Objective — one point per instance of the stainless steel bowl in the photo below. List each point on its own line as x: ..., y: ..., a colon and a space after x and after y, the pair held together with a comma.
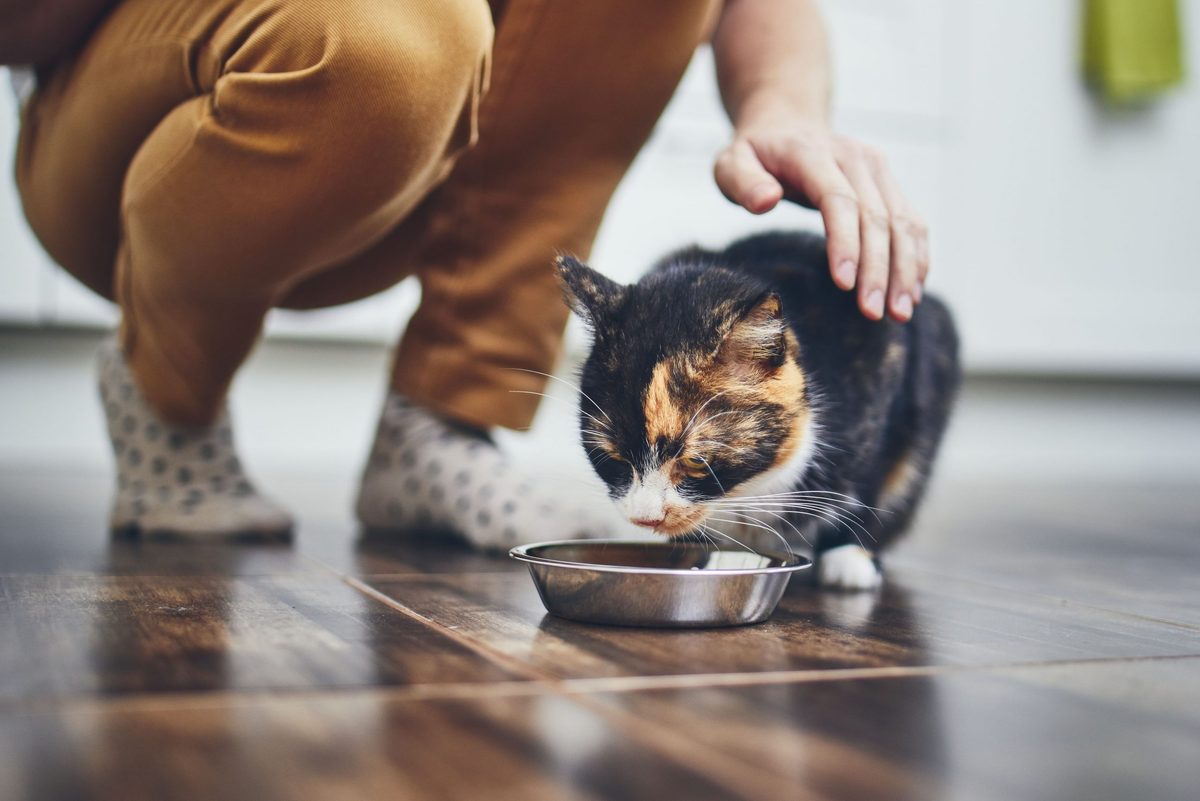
x: 657, y: 583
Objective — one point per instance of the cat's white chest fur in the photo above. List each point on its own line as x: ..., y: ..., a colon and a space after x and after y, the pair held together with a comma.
x: 847, y: 567
x: 786, y: 476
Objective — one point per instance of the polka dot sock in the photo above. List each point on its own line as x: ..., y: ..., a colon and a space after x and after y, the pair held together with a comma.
x: 177, y: 480
x: 425, y: 473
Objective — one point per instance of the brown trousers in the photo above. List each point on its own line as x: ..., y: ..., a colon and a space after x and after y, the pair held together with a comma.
x: 202, y: 161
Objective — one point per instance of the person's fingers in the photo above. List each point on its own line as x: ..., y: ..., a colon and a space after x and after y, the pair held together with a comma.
x: 910, y: 241
x: 902, y: 280
x: 743, y: 180
x: 922, y: 261
x: 815, y: 175
x: 873, y: 268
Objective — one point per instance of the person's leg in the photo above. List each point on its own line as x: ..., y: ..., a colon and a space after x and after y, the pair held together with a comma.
x: 576, y: 90
x: 221, y: 152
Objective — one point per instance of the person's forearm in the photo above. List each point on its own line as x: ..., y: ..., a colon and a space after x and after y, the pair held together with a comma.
x: 772, y: 56
x: 38, y: 31
x: 773, y: 68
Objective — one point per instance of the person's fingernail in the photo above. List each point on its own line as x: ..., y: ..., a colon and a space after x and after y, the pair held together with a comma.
x: 903, y: 306
x: 847, y: 271
x: 918, y: 292
x: 875, y: 303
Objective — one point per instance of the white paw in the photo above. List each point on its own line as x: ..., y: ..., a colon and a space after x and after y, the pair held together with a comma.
x: 848, y: 567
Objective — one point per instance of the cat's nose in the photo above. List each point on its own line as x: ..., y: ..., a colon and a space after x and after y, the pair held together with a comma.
x: 648, y: 523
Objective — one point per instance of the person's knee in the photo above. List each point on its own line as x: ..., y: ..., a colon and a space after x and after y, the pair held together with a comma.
x: 339, y: 116
x: 393, y: 73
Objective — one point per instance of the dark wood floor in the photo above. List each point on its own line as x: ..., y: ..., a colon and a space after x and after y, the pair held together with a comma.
x: 1029, y: 643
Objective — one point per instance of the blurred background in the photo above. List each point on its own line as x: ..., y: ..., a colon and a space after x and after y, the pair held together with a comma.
x: 1066, y: 238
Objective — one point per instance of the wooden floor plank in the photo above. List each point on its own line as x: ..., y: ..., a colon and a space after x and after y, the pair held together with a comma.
x: 69, y: 635
x: 1108, y: 730
x: 358, y: 747
x: 255, y: 671
x: 1131, y: 549
x: 357, y: 553
x: 917, y: 620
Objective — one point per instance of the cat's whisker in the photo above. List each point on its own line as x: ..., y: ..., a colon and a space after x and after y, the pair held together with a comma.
x: 748, y: 518
x: 695, y: 414
x: 595, y: 420
x: 819, y: 511
x: 795, y: 505
x: 787, y: 522
x: 814, y: 495
x: 830, y: 493
x: 711, y: 473
x: 729, y: 537
x: 841, y: 514
x: 786, y: 504
x: 755, y: 524
x: 603, y: 458
x: 575, y: 387
x: 712, y: 417
x: 709, y: 538
x: 718, y: 444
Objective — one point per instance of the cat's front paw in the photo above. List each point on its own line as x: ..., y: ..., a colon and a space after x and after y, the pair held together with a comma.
x: 848, y: 567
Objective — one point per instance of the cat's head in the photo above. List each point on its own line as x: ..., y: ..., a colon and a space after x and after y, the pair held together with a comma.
x: 692, y: 391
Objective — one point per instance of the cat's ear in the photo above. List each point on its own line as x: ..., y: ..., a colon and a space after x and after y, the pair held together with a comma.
x: 758, y: 338
x: 589, y: 294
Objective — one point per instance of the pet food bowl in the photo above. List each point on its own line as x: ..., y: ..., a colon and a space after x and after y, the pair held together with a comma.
x: 656, y: 583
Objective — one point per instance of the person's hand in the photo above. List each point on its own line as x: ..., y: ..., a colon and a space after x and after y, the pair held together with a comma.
x: 876, y: 240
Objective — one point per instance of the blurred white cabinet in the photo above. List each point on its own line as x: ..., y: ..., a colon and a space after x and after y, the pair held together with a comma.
x: 1068, y: 235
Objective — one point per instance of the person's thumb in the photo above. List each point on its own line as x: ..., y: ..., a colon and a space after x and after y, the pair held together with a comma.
x: 743, y: 179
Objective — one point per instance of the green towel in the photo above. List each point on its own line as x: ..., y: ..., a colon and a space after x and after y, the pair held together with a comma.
x: 1132, y: 49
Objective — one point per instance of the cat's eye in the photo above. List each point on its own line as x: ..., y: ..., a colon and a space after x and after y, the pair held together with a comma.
x: 693, y: 463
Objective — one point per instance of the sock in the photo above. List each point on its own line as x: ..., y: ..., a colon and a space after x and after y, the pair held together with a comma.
x: 427, y: 473
x: 177, y: 480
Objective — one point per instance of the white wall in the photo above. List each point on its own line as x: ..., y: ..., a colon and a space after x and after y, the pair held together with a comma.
x: 1066, y: 237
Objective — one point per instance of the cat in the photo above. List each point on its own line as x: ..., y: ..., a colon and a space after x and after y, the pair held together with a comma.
x: 741, y: 392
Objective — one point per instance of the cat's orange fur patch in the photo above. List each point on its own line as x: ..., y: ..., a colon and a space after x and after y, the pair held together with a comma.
x: 899, y: 481
x: 737, y: 376
x: 740, y: 373
x: 787, y: 389
x: 664, y: 418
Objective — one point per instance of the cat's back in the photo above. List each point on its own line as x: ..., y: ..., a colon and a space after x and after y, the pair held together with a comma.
x: 839, y: 343
x: 793, y: 263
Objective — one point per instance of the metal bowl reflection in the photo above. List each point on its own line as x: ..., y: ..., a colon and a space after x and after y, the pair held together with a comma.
x: 657, y: 583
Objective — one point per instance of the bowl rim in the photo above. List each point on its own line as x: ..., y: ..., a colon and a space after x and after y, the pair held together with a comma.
x: 521, y: 553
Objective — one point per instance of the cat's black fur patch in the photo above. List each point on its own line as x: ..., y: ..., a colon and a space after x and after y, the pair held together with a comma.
x: 881, y: 391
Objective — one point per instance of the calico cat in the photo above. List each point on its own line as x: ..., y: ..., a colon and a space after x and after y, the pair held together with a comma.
x: 741, y: 392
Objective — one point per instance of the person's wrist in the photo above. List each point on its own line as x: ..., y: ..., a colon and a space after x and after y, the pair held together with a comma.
x: 772, y: 109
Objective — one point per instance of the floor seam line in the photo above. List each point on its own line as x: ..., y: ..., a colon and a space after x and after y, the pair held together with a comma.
x: 527, y: 688
x: 484, y: 650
